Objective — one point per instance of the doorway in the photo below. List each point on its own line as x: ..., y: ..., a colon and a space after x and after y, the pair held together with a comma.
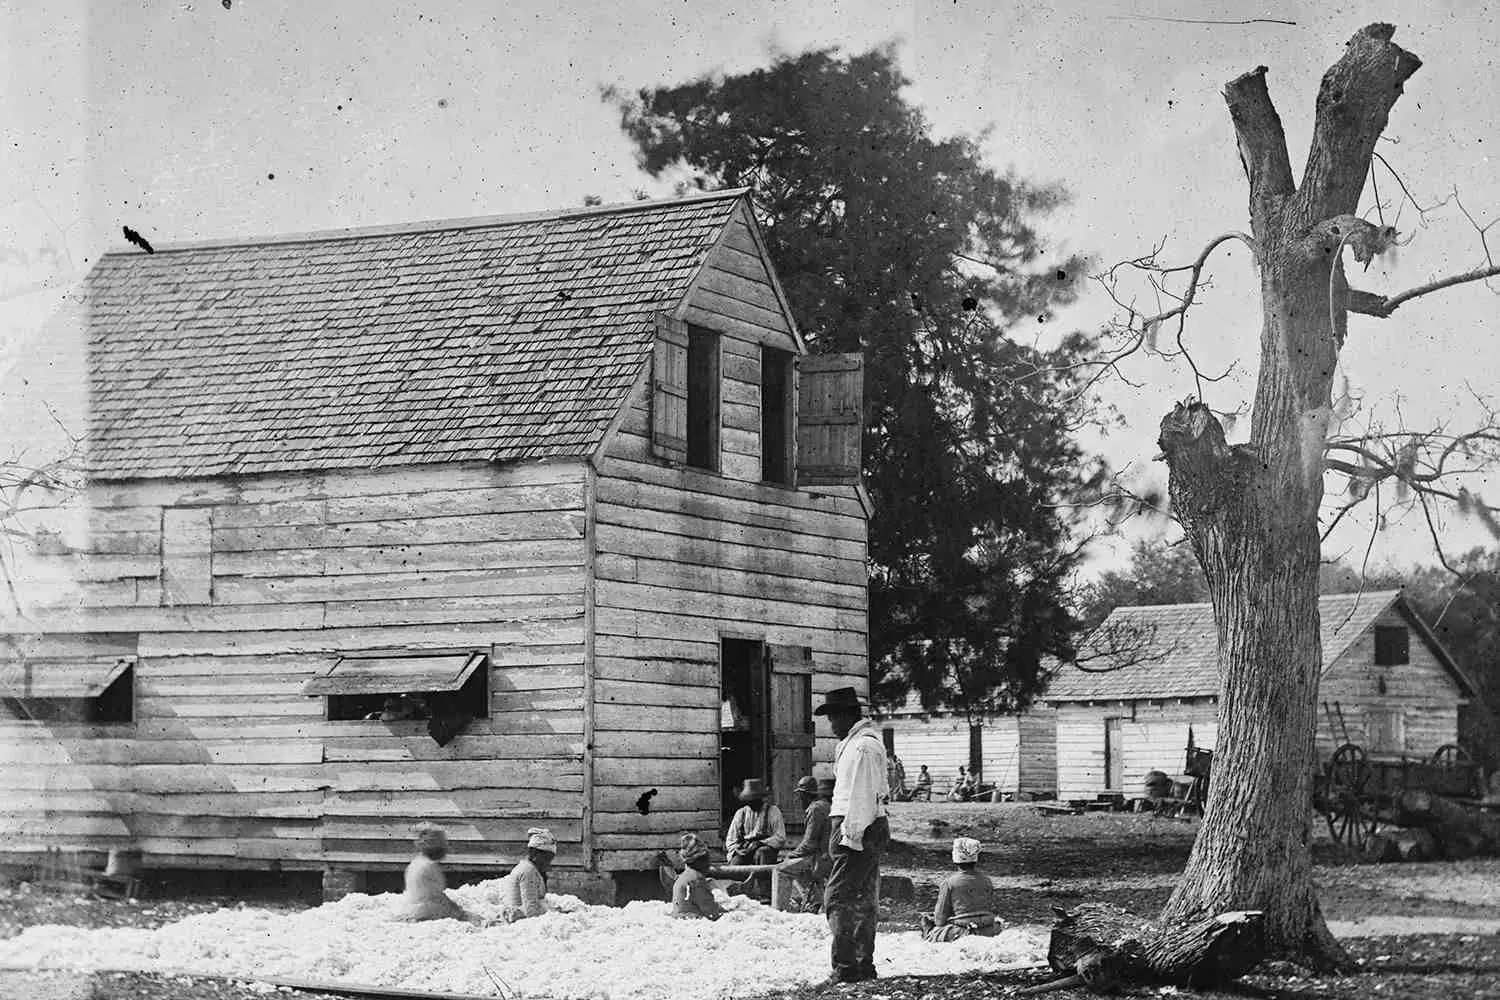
x: 744, y: 675
x: 765, y: 722
x: 1114, y: 757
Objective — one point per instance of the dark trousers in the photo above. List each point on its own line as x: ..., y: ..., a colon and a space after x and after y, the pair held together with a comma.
x: 850, y: 900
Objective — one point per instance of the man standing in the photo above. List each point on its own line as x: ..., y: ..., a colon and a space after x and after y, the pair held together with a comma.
x: 859, y: 831
x: 808, y: 862
x: 756, y: 835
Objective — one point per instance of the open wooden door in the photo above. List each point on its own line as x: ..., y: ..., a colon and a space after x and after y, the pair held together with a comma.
x: 792, y: 731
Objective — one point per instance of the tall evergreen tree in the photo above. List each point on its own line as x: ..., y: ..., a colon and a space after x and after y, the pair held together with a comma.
x: 908, y: 247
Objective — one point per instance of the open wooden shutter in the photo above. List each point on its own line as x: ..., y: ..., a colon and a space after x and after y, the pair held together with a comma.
x: 669, y: 390
x: 830, y: 403
x: 792, y: 732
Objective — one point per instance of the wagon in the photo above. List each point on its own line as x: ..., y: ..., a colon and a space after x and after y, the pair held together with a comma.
x: 1357, y: 791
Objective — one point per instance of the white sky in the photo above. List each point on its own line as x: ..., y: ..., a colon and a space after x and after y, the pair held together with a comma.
x: 187, y: 121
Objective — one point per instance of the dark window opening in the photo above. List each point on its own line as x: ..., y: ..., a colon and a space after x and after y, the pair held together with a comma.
x: 1392, y: 645
x: 115, y: 704
x: 775, y: 416
x: 888, y: 736
x: 703, y: 399
x: 471, y: 700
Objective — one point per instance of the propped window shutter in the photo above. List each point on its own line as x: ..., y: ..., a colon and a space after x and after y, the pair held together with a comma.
x: 669, y: 390
x: 830, y: 394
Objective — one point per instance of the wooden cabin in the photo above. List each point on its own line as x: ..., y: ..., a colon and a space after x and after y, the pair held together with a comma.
x: 569, y: 485
x: 1387, y: 685
x: 1017, y: 753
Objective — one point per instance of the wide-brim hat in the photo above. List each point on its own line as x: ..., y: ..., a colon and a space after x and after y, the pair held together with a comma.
x: 844, y: 699
x: 807, y: 785
x: 752, y: 789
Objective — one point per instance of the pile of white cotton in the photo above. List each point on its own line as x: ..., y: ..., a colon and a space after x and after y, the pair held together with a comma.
x: 637, y: 952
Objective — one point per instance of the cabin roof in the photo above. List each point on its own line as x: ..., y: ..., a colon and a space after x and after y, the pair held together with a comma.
x: 508, y: 338
x: 1170, y: 650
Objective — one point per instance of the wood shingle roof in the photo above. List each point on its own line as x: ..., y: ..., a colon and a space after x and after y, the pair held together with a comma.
x: 1171, y: 650
x: 504, y: 339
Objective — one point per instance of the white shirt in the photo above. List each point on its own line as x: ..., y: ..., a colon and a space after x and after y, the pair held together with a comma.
x: 860, y: 791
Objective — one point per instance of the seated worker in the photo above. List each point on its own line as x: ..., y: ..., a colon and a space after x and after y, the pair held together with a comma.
x: 959, y: 790
x: 523, y: 893
x: 809, y: 861
x: 425, y: 896
x: 692, y: 895
x: 966, y: 901
x: 757, y: 833
x: 400, y: 708
x: 923, y: 790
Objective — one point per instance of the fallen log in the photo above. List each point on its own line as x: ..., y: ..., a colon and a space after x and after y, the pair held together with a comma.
x: 1099, y: 945
x: 1460, y: 832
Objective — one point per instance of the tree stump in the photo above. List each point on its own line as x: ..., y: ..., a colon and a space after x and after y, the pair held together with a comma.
x: 1099, y: 944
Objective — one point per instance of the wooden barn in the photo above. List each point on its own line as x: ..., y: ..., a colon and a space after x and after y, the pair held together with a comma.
x: 504, y: 522
x: 1387, y: 685
x: 1016, y: 753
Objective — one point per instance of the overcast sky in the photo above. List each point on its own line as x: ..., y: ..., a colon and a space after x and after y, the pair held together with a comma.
x: 187, y: 120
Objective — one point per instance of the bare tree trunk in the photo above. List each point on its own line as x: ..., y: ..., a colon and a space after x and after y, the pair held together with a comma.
x: 1251, y: 511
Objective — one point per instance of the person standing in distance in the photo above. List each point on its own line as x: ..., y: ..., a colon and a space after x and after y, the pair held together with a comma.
x: 859, y: 831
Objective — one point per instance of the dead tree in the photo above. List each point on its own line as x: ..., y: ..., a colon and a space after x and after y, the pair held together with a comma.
x: 1251, y: 511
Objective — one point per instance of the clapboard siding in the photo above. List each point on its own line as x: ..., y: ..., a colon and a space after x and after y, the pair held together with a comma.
x: 225, y: 747
x: 1153, y: 735
x: 1421, y: 692
x: 684, y: 557
x: 941, y: 741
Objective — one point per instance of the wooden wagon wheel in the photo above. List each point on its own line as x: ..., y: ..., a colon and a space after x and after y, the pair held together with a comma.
x: 1351, y: 820
x: 1348, y: 770
x: 1450, y: 755
x: 1350, y: 815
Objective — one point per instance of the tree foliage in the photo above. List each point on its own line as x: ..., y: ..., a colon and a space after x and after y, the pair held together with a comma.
x: 908, y: 247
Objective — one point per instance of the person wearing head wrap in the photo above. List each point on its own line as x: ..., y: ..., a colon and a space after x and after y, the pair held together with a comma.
x: 692, y: 896
x: 966, y: 901
x: 808, y: 862
x: 424, y: 895
x: 523, y: 893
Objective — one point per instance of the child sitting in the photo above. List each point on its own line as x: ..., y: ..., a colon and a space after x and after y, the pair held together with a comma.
x: 692, y: 895
x: 966, y: 902
x: 425, y: 896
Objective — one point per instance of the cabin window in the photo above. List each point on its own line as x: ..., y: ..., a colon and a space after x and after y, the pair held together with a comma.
x: 775, y: 416
x: 446, y: 688
x: 703, y: 399
x: 1392, y: 645
x: 100, y: 694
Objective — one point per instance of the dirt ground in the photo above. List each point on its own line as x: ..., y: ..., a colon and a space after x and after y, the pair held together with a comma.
x: 1420, y: 931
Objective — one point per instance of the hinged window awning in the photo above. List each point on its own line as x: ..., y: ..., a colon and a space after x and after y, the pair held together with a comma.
x: 73, y: 678
x: 395, y: 674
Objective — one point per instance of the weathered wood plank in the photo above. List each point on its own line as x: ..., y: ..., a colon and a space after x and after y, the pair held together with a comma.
x: 669, y: 798
x: 409, y: 583
x: 714, y: 306
x: 683, y: 550
x: 640, y: 693
x: 387, y: 747
x: 514, y: 609
x: 811, y: 617
x: 653, y: 773
x: 397, y: 506
x: 690, y: 673
x: 129, y: 752
x: 416, y: 559
x: 680, y: 743
x: 806, y: 540
x: 838, y: 652
x: 350, y: 640
x: 557, y: 775
x: 526, y: 526
x: 497, y: 803
x: 186, y: 556
x: 396, y: 827
x: 340, y: 483
x: 655, y: 822
x: 701, y: 483
x: 757, y: 583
